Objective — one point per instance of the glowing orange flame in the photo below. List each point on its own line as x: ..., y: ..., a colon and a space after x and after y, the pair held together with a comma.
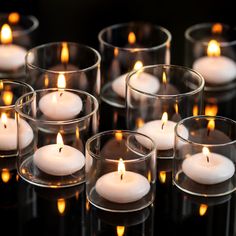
x: 213, y: 49
x: 87, y: 205
x: 64, y: 53
x: 149, y: 176
x: 138, y: 65
x: 6, y: 34
x: 211, y: 125
x: 195, y: 110
x: 217, y: 28
x: 46, y: 81
x: 203, y: 209
x: 121, y: 167
x: 176, y: 108
x: 116, y: 52
x: 7, y: 97
x: 118, y: 135
x: 131, y: 38
x: 1, y: 84
x: 164, y: 80
x: 120, y: 230
x: 211, y: 110
x: 162, y: 176
x: 5, y: 175
x: 61, y: 81
x: 139, y: 122
x: 60, y: 143
x: 61, y: 205
x: 164, y: 118
x: 14, y: 18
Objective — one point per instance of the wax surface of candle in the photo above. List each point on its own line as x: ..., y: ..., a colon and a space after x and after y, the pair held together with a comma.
x: 131, y: 188
x: 217, y: 170
x: 60, y: 105
x: 216, y: 70
x: 144, y: 82
x: 8, y: 135
x: 59, y: 163
x: 163, y: 137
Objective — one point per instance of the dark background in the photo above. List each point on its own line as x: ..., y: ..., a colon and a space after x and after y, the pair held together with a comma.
x: 81, y: 20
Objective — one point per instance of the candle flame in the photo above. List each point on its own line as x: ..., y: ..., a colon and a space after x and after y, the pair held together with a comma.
x: 118, y: 135
x: 164, y: 79
x: 176, y: 108
x: 211, y: 125
x: 61, y: 81
x: 59, y: 141
x: 4, y: 118
x: 61, y: 205
x: 162, y: 176
x: 7, y: 97
x: 213, y: 49
x: 205, y: 151
x: 195, y: 110
x: 217, y: 28
x: 120, y: 230
x: 138, y: 65
x: 203, y: 209
x: 87, y: 205
x: 116, y: 52
x: 149, y: 176
x: 77, y: 133
x: 5, y: 175
x: 131, y: 38
x: 139, y: 122
x: 46, y: 81
x: 64, y: 53
x: 14, y: 17
x: 1, y: 84
x: 121, y: 167
x: 164, y: 119
x: 211, y: 110
x: 77, y: 195
x: 6, y: 34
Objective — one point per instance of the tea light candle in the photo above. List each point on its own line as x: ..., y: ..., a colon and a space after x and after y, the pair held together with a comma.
x: 60, y: 105
x: 8, y: 133
x: 140, y: 81
x: 208, y: 168
x: 122, y: 186
x: 215, y: 69
x: 11, y: 56
x: 162, y: 132
x: 59, y: 159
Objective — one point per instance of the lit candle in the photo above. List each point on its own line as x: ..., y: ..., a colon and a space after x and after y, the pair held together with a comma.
x: 215, y: 69
x: 161, y: 132
x: 11, y: 56
x: 122, y: 186
x: 59, y: 159
x: 208, y: 168
x: 61, y: 105
x: 8, y: 133
x: 140, y: 81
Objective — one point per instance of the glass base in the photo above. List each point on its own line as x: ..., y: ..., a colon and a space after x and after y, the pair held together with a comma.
x: 30, y: 173
x: 220, y: 87
x: 96, y: 200
x: 189, y: 186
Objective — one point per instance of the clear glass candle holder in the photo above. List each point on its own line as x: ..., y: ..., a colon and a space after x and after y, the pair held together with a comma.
x: 121, y: 171
x: 204, y: 162
x: 58, y: 130
x: 157, y: 97
x: 79, y: 64
x: 125, y: 47
x: 10, y: 91
x: 211, y: 50
x: 17, y: 35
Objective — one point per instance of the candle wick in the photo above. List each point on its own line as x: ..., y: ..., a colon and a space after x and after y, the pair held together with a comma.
x: 121, y: 176
x: 207, y: 158
x: 60, y: 149
x: 61, y: 94
x: 5, y: 126
x: 162, y: 125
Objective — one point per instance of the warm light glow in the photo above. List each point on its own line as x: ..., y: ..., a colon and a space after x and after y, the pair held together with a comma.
x: 131, y: 38
x: 1, y: 84
x: 61, y: 205
x: 77, y: 195
x: 118, y: 135
x: 162, y: 176
x: 120, y: 230
x: 211, y: 110
x: 176, y: 108
x: 77, y: 133
x: 59, y: 141
x: 7, y: 97
x: 116, y: 52
x: 121, y: 167
x: 6, y: 34
x: 205, y: 151
x: 17, y: 177
x: 203, y: 209
x: 217, y: 28
x: 164, y: 80
x: 14, y: 18
x: 61, y: 81
x: 213, y: 49
x: 46, y: 81
x: 211, y: 125
x: 164, y: 118
x: 87, y: 205
x: 149, y: 176
x: 138, y: 65
x: 5, y: 175
x: 4, y: 118
x: 139, y: 122
x: 64, y: 53
x: 195, y: 110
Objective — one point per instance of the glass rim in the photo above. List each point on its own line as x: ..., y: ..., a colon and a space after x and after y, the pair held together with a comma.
x: 18, y: 105
x: 31, y: 65
x: 115, y: 26
x: 21, y: 32
x: 222, y: 118
x: 110, y: 132
x: 166, y: 96
x: 23, y: 84
x: 206, y: 25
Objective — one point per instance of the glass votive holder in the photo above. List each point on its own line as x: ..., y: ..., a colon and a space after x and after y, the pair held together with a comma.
x: 17, y: 35
x: 211, y: 50
x: 60, y: 122
x: 79, y: 64
x: 125, y: 47
x: 120, y: 171
x: 204, y: 162
x: 10, y: 91
x: 157, y: 97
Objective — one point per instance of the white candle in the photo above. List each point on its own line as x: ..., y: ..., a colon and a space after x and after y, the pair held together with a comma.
x: 122, y: 186
x: 60, y: 105
x: 140, y: 81
x: 8, y: 133
x: 214, y: 68
x: 162, y: 132
x: 11, y: 56
x: 59, y: 159
x: 208, y: 168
